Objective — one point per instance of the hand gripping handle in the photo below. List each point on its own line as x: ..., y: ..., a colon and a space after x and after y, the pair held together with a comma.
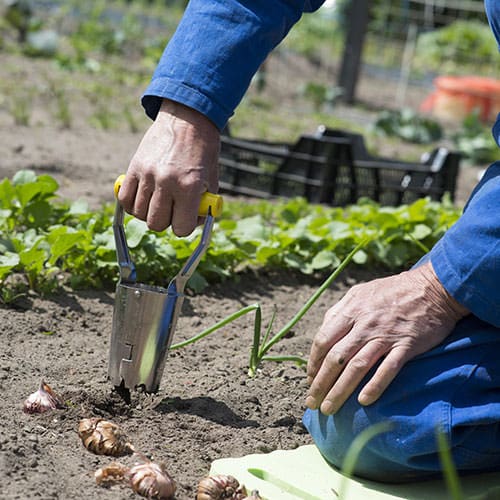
x: 210, y: 207
x: 208, y: 200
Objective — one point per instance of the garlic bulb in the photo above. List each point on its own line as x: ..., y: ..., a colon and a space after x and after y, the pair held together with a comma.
x: 220, y: 486
x: 151, y: 480
x: 44, y: 399
x: 104, y: 438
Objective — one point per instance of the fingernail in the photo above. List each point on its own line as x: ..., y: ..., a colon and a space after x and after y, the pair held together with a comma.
x: 365, y: 399
x: 309, y: 380
x: 327, y: 408
x: 311, y: 403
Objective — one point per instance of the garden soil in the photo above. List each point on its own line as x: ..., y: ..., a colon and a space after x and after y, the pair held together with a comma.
x: 207, y: 406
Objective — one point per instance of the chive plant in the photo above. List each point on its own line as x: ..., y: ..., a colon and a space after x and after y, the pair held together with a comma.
x: 262, y: 344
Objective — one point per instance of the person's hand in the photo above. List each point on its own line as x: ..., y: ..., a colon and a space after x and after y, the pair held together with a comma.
x: 175, y: 163
x: 393, y: 319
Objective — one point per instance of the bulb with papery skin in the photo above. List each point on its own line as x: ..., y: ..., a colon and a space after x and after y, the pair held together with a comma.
x: 43, y: 400
x: 103, y: 437
x: 151, y: 480
x: 220, y: 486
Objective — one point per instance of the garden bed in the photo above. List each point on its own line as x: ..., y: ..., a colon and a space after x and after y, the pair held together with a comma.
x: 207, y: 407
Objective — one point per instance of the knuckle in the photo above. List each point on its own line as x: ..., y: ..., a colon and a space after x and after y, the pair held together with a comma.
x: 360, y: 363
x: 321, y: 341
x: 334, y: 358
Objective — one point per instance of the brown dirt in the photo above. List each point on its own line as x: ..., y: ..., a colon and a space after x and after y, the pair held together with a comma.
x: 207, y: 407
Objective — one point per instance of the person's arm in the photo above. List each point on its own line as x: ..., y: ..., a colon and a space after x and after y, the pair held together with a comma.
x: 202, y: 76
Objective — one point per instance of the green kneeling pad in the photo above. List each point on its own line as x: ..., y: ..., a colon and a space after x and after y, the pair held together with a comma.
x: 303, y: 474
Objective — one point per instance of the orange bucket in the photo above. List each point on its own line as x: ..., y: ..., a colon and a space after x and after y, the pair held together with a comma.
x: 456, y: 97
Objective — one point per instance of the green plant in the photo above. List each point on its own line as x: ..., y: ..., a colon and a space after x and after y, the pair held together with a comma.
x: 19, y: 14
x: 349, y: 464
x: 50, y: 240
x: 16, y: 288
x: 101, y: 97
x: 449, y: 470
x: 408, y: 125
x: 262, y: 344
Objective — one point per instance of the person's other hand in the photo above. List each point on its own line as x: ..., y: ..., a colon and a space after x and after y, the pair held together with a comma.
x: 393, y: 319
x: 175, y: 163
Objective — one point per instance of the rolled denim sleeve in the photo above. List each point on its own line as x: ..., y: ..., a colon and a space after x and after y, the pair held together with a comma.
x: 467, y: 259
x: 217, y: 48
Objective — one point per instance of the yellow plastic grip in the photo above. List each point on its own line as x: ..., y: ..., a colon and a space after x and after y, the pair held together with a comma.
x: 208, y: 200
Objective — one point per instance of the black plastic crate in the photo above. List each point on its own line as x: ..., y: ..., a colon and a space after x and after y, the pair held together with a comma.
x: 332, y: 167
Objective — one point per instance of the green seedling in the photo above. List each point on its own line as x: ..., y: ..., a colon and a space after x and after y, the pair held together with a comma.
x: 449, y: 469
x: 262, y: 344
x: 8, y: 296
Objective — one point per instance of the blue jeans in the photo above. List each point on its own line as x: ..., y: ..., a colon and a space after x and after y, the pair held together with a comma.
x: 454, y: 387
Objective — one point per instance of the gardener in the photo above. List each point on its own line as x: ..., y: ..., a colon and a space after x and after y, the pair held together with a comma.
x: 420, y: 349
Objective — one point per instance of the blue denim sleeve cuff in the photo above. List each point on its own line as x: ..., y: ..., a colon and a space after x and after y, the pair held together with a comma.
x: 166, y: 88
x: 467, y: 259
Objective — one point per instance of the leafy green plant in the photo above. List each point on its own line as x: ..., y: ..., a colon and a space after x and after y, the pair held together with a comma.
x: 262, y: 344
x: 101, y: 97
x: 62, y: 112
x: 19, y: 15
x: 52, y: 241
x: 408, y: 125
